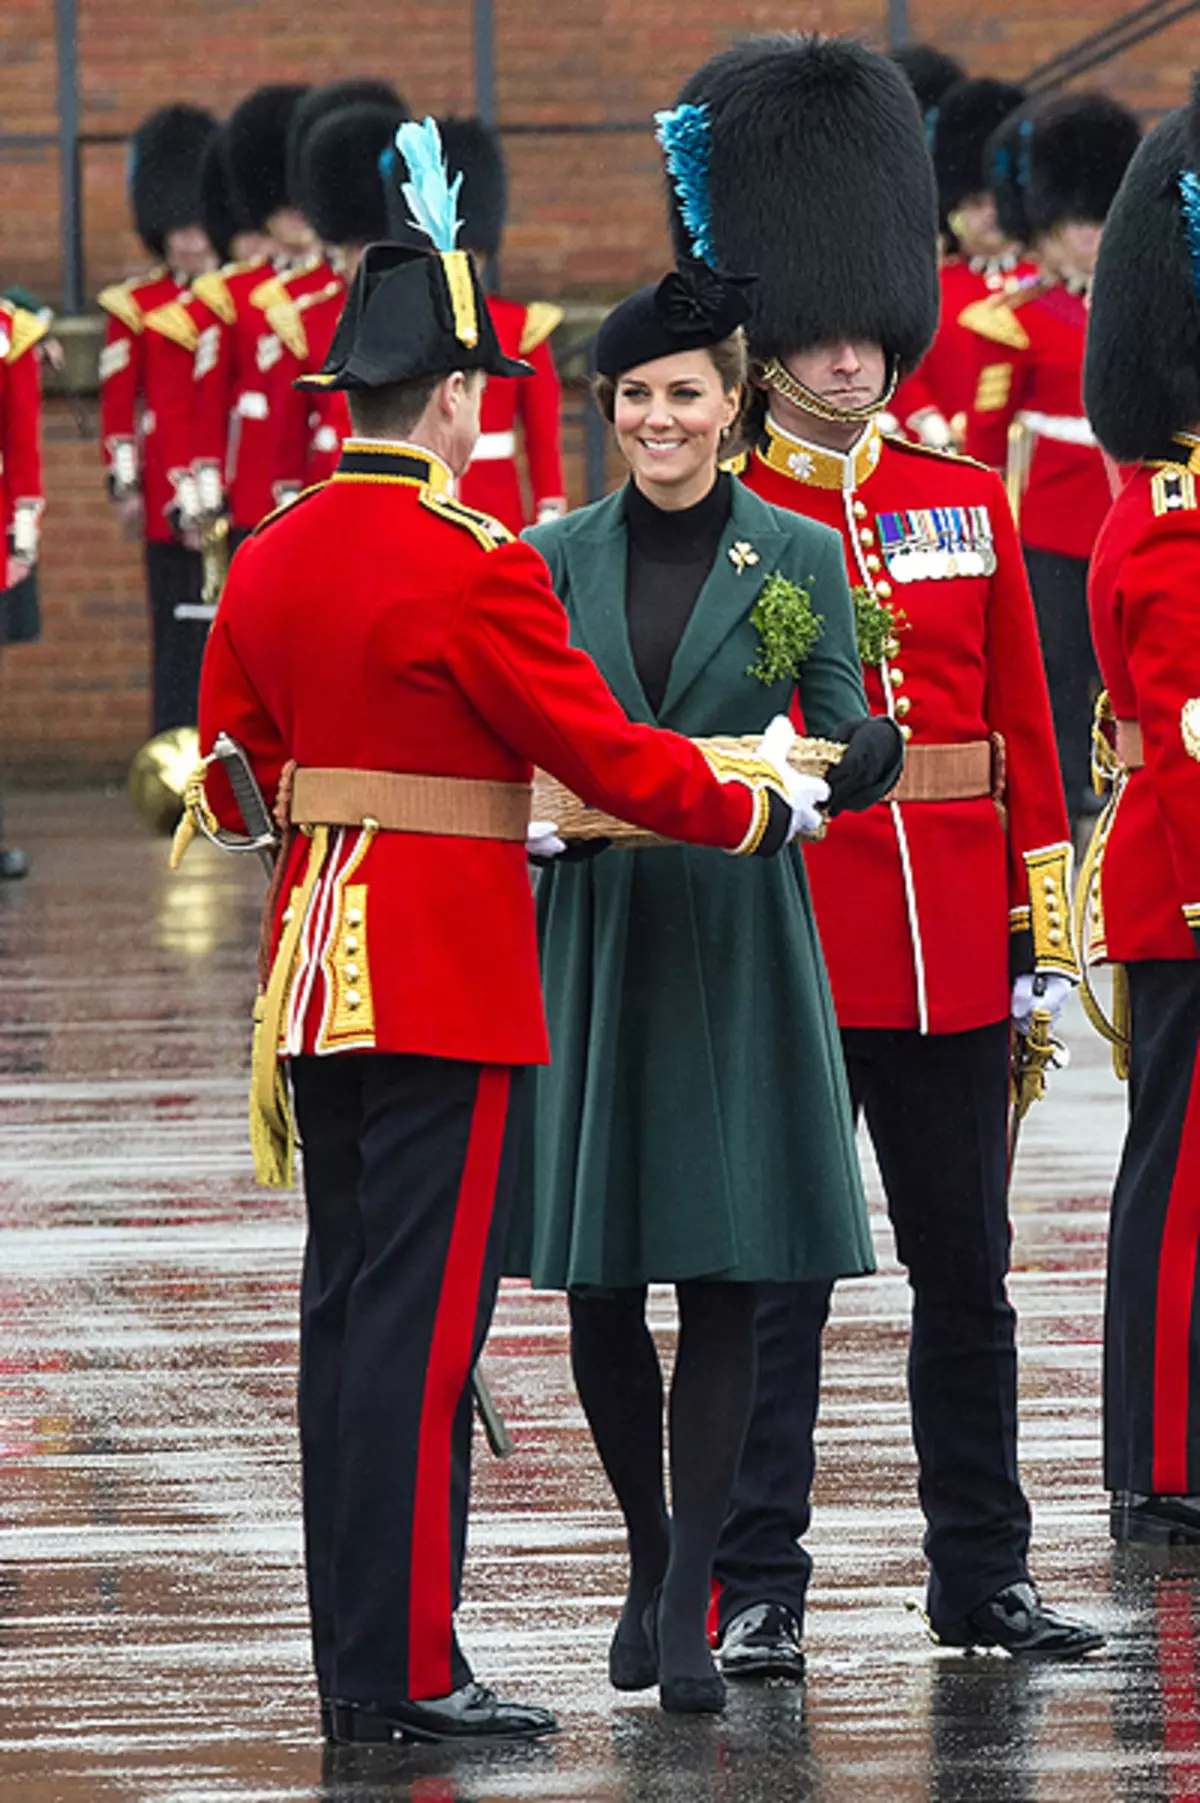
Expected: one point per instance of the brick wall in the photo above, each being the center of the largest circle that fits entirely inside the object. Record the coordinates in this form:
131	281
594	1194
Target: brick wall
585	215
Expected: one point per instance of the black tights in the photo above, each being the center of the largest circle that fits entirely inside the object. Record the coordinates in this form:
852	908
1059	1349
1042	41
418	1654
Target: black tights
620	1385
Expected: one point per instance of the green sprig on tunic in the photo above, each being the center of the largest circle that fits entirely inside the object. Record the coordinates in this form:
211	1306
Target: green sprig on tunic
788	628
874	625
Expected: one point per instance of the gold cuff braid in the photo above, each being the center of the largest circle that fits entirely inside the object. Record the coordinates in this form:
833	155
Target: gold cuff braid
1049	874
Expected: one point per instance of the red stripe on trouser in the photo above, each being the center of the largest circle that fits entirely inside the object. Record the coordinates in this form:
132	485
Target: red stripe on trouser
431	1628
1173	1318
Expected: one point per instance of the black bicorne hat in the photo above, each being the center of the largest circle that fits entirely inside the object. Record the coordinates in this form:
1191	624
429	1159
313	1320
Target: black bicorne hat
472	150
815	175
316	104
1142	370
345	199
164	172
256	137
219	212
968	115
691	309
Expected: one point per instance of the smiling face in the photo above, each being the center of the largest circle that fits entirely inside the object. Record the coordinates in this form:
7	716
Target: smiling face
668	416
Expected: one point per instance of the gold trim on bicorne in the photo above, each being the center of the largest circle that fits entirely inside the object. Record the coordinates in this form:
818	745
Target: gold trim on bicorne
348	1023
817	467
457	266
1049	873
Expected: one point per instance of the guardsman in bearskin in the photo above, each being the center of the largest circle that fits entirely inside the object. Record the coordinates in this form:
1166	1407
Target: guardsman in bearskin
930	73
493	481
1143	397
1056	165
140	376
931	405
819	179
342	190
21	499
401	663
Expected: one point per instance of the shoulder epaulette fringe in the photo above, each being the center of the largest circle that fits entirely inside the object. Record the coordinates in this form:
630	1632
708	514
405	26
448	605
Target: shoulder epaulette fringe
25	330
172	320
268	293
283	317
541	318
120	302
213	290
994	318
486	531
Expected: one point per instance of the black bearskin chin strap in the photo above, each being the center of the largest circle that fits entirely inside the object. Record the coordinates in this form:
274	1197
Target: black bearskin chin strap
784	382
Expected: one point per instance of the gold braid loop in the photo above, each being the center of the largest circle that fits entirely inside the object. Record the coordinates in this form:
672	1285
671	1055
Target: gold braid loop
781	379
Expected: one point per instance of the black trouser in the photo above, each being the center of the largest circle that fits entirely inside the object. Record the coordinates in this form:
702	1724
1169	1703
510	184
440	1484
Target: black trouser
1152	1326
174	577
408	1174
936	1110
1059	587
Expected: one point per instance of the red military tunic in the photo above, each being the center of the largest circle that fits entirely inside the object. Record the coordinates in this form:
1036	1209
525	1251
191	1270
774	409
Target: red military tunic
145	371
493	482
382	626
915	900
1144	595
943	387
313	425
20	413
1031	369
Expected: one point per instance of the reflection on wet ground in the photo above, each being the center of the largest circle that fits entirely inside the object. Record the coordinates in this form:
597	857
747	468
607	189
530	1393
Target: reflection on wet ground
152	1641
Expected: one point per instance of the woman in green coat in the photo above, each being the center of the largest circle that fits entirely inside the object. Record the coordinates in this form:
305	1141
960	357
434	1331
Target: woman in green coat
693	1126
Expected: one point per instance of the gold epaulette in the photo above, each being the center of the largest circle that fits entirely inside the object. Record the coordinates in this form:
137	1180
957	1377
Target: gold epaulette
541	318
25	329
277	513
172	320
484	529
120	302
943	455
994	318
268	293
213	289
283	317
1172	490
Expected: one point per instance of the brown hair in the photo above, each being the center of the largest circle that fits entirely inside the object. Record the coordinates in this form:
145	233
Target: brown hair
393	410
729	358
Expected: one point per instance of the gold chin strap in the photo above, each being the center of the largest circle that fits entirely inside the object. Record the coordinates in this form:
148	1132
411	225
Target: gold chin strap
784	382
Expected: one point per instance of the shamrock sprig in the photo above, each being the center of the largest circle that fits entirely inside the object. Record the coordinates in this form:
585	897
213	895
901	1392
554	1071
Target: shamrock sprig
787	627
875	626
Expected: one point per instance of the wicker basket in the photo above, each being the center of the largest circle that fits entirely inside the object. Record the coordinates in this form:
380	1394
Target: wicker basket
574	820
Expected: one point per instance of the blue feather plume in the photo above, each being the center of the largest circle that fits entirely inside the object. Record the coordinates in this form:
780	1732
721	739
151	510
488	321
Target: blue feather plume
1189	197
685	134
432	197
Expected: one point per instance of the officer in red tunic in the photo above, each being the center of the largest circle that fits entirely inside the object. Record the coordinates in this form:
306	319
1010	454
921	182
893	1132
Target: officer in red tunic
931	405
493	481
1143	397
819	180
401	663
1056	166
140	376
21	499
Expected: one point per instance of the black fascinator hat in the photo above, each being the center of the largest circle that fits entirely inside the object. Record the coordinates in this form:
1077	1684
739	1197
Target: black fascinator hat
691	309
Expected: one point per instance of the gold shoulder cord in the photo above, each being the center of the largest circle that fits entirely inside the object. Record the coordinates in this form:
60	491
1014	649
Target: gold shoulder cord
1107	773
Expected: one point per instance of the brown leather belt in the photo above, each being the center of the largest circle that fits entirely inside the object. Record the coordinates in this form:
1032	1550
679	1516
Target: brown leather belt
946	772
1129	744
454	807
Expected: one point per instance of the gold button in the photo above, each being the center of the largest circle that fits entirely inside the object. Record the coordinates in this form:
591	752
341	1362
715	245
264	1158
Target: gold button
903	707
1049	885
351	973
354	917
1055	937
287	916
906	732
866	536
352	998
891	647
860	510
896	677
872	562
883	590
351	944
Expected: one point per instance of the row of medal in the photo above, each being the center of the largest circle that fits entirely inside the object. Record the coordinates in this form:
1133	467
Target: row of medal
931	544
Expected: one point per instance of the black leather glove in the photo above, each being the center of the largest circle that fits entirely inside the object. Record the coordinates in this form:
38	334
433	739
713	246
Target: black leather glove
870	766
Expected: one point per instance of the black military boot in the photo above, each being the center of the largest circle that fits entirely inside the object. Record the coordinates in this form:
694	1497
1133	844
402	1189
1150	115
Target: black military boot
1154	1520
1017	1621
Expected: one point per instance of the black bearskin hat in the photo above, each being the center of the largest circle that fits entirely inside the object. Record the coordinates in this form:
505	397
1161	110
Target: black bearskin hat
819	183
1142	371
345	200
317	103
219	213
256	143
967	116
164	172
1061	159
930	73
472	150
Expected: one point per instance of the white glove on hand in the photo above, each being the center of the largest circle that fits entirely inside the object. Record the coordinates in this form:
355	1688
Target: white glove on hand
542	840
806	793
1024	1001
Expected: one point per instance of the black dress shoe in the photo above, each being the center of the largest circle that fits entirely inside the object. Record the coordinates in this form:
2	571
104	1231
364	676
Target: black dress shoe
1017	1620
631	1663
682	1695
471	1713
1154	1520
764	1641
13	864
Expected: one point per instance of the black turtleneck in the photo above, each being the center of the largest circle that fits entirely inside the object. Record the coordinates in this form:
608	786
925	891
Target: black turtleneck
670	556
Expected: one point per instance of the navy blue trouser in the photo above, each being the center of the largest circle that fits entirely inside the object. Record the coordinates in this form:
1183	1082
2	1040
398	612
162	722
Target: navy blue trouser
936	1109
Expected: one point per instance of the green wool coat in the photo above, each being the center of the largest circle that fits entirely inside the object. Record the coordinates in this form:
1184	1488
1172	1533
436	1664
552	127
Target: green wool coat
694	1120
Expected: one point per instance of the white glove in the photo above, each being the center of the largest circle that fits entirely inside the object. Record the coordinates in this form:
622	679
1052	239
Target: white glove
1052	999
806	793
542	840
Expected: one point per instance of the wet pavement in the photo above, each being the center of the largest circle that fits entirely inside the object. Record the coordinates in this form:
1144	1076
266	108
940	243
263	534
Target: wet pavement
152	1634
